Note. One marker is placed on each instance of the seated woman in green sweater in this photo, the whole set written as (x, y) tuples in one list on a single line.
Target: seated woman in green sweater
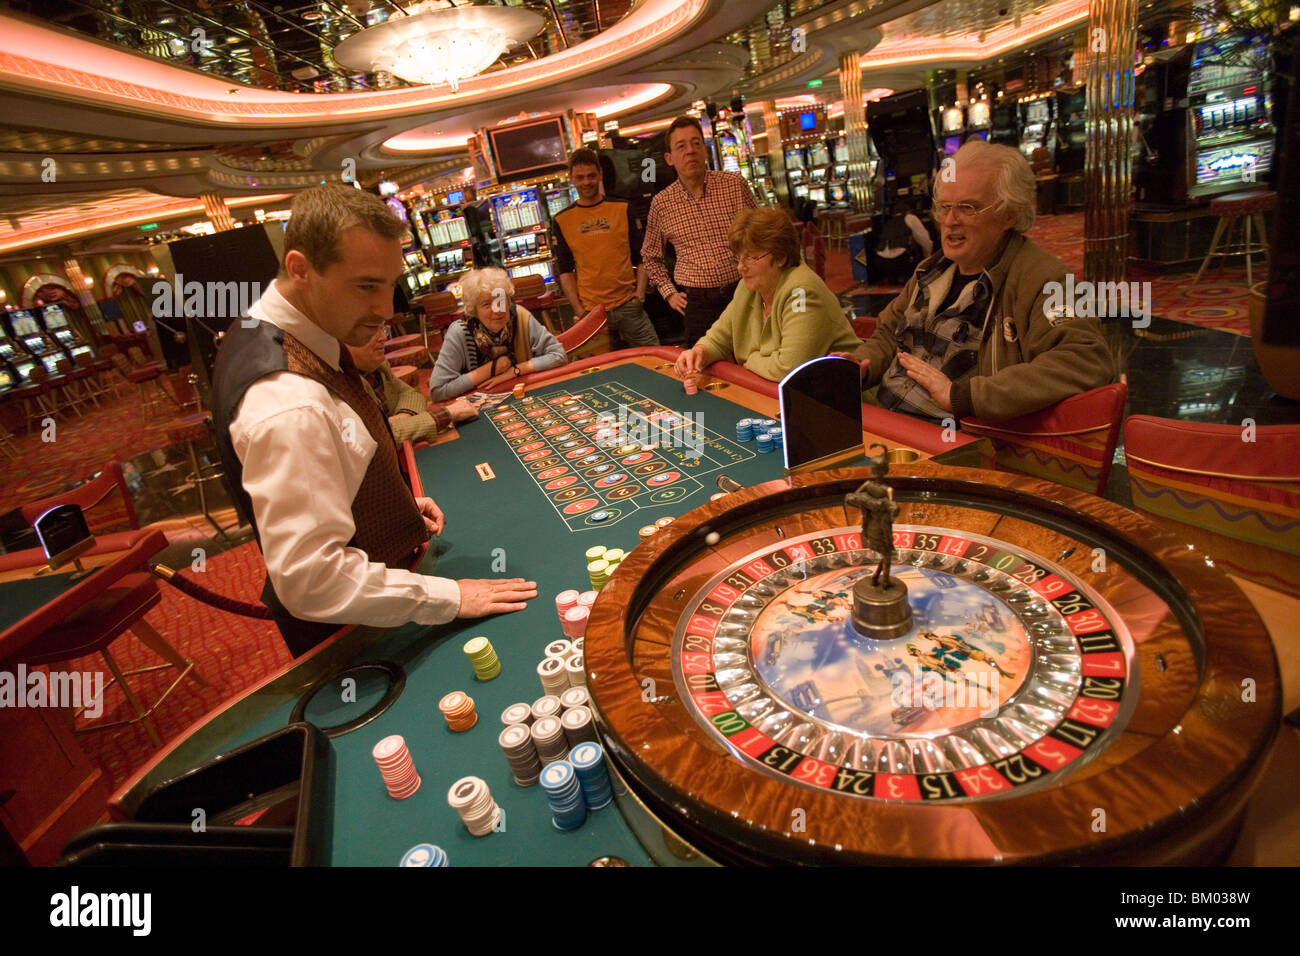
[(782, 314)]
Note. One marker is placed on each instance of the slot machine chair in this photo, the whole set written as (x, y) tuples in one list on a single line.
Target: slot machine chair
[(1244, 209), (531, 293)]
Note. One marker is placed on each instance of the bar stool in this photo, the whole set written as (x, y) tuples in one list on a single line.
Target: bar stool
[(1246, 209), (405, 373), (150, 399), (95, 369), (33, 395), (187, 430), (74, 386), (832, 224)]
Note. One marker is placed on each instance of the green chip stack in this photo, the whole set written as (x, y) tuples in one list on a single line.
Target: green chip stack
[(483, 657), (598, 572)]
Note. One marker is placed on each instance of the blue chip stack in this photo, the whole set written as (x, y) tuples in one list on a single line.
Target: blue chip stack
[(588, 760), (564, 795), (425, 854), (762, 425), (775, 435), (745, 429), (764, 442)]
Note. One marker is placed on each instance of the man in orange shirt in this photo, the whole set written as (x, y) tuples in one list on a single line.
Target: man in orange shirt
[(598, 256)]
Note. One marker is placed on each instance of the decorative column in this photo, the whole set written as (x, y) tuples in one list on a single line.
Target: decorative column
[(776, 152), (1111, 44), (85, 295), (218, 212), (855, 131)]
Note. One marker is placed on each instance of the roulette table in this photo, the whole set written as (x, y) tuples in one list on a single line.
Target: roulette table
[(1115, 689)]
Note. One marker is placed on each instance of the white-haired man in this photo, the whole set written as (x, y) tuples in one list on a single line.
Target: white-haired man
[(970, 334)]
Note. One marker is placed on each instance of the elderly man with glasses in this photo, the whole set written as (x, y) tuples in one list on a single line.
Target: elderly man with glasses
[(971, 334)]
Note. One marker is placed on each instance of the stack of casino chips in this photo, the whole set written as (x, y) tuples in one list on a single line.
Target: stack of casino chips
[(574, 623), (563, 602), (647, 531), (663, 522), (745, 429), (396, 766), (690, 386), (483, 657), (577, 725), (548, 738), (458, 708), (553, 675), (563, 649), (588, 761), (518, 714), (598, 573), (521, 753), (579, 643), (547, 706), (472, 800), (574, 697), (575, 668), (425, 854), (587, 599), (564, 795)]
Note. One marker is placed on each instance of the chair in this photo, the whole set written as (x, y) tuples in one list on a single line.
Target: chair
[(33, 395), (70, 386), (530, 292), (91, 496), (864, 326), (187, 430), (1071, 442), (1236, 499), (832, 223), (96, 369), (1244, 209), (150, 399), (583, 331), (440, 309)]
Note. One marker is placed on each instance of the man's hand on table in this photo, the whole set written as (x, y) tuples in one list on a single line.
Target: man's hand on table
[(690, 362), (461, 410), (929, 378), (434, 521), (479, 597)]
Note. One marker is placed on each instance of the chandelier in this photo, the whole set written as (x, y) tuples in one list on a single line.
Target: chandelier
[(444, 45)]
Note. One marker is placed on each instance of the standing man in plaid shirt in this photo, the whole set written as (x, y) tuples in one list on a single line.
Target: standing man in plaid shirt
[(694, 215)]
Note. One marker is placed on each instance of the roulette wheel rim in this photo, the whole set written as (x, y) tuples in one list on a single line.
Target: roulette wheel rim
[(1176, 798)]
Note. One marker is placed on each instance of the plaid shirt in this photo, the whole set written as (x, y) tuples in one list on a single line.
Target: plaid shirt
[(948, 340), (697, 229)]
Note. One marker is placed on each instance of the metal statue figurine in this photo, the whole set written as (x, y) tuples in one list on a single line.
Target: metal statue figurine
[(876, 501), (881, 610)]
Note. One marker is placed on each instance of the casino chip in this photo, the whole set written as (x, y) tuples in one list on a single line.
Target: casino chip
[(483, 657), (396, 766), (547, 706), (588, 762), (577, 724), (517, 743), (548, 738), (647, 531), (574, 624), (564, 795), (517, 714), (469, 796), (601, 515), (664, 522), (561, 649), (574, 697), (555, 680), (424, 854), (458, 708), (576, 671)]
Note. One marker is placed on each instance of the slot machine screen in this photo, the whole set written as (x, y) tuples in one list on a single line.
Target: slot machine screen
[(456, 197), (24, 369), (82, 350), (819, 176), (51, 362), (796, 176), (794, 160), (808, 121), (817, 195), (839, 194), (953, 119), (819, 155), (800, 192), (982, 134), (841, 171), (24, 323), (7, 351), (54, 318), (951, 145), (6, 380), (979, 114)]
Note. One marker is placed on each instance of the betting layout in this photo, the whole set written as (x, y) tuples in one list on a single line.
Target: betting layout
[(1026, 672), (602, 454)]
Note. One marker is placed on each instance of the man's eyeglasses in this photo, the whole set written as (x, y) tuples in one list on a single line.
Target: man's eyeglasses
[(750, 260), (964, 210)]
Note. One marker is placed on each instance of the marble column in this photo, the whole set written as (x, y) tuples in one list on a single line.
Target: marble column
[(855, 131), (1111, 46)]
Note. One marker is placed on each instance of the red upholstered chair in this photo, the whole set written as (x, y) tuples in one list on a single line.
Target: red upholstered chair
[(1237, 499), (583, 331), (530, 292), (91, 497), (143, 378), (440, 309), (1071, 442), (864, 326)]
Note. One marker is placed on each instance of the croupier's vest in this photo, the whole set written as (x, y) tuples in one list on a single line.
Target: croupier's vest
[(389, 528)]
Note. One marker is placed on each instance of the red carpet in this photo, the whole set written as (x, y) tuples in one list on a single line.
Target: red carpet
[(1218, 301)]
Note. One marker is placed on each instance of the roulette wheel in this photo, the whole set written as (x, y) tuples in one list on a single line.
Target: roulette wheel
[(1075, 684)]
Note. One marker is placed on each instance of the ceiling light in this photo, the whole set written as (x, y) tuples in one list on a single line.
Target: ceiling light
[(442, 46)]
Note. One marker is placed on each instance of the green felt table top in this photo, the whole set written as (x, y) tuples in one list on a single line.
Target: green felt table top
[(503, 526), (20, 598)]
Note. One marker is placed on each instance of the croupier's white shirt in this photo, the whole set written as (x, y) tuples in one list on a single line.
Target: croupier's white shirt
[(302, 468)]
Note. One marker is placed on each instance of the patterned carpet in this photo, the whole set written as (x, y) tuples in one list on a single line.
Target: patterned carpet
[(1218, 301)]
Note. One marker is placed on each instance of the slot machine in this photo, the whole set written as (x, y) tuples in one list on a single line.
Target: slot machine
[(55, 321), (1229, 105), (39, 344)]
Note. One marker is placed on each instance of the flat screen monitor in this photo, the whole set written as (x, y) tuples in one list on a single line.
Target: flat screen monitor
[(819, 176), (796, 176), (524, 149), (841, 171), (808, 121), (819, 155), (800, 192), (23, 323), (8, 351), (51, 361), (54, 318), (794, 160), (817, 194), (979, 114), (951, 144), (456, 197)]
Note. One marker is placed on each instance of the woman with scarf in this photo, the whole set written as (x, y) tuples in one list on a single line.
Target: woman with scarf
[(496, 343)]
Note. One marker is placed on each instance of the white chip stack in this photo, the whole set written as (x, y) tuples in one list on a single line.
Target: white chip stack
[(576, 671), (548, 738), (553, 675), (517, 743), (548, 706), (470, 797), (574, 697), (577, 725), (561, 649), (517, 714)]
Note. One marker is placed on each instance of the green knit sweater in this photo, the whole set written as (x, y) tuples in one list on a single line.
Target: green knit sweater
[(806, 323)]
